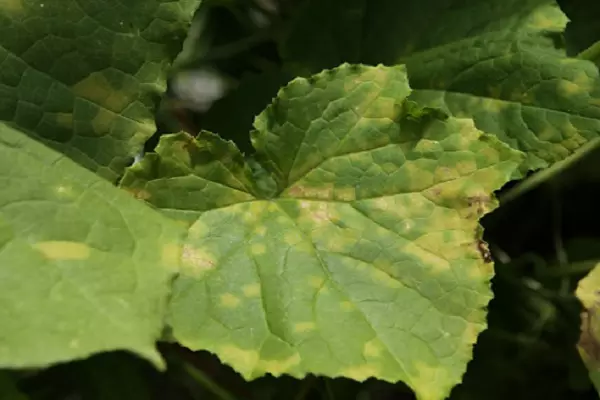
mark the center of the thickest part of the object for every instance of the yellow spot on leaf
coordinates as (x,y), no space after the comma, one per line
(372,348)
(292,238)
(254,212)
(229,300)
(278,367)
(316,281)
(244,360)
(260,230)
(466,167)
(361,373)
(385,279)
(64,191)
(251,290)
(303,327)
(383,203)
(426,374)
(428,258)
(258,249)
(64,250)
(569,88)
(103,120)
(140,194)
(98,89)
(345,194)
(346,306)
(170,256)
(196,262)
(64,120)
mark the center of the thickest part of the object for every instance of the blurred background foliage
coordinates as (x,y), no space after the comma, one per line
(544,238)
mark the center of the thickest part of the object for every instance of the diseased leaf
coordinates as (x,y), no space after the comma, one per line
(368,260)
(84,268)
(496,61)
(85,76)
(589,342)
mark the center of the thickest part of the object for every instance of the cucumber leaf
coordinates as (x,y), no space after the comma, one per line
(367,261)
(496,61)
(84,77)
(84,268)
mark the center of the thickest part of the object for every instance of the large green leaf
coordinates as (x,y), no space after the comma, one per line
(495,61)
(84,267)
(85,76)
(368,261)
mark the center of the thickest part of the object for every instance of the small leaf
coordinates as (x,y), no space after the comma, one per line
(85,77)
(366,263)
(84,268)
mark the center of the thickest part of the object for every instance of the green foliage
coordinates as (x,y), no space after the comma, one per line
(84,77)
(320,228)
(83,264)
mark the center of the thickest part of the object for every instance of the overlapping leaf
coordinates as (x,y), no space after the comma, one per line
(84,268)
(496,61)
(84,76)
(367,263)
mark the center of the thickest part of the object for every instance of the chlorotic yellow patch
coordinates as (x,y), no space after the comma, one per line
(103,120)
(170,256)
(140,194)
(346,194)
(98,89)
(64,120)
(244,360)
(229,300)
(387,280)
(292,238)
(278,367)
(258,249)
(303,327)
(64,191)
(372,348)
(63,250)
(347,306)
(260,230)
(196,262)
(433,261)
(569,88)
(251,290)
(423,378)
(316,281)
(361,373)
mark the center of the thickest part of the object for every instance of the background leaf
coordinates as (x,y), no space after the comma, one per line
(496,61)
(84,268)
(84,77)
(376,217)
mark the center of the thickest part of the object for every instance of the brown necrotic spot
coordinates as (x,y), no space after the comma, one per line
(483,249)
